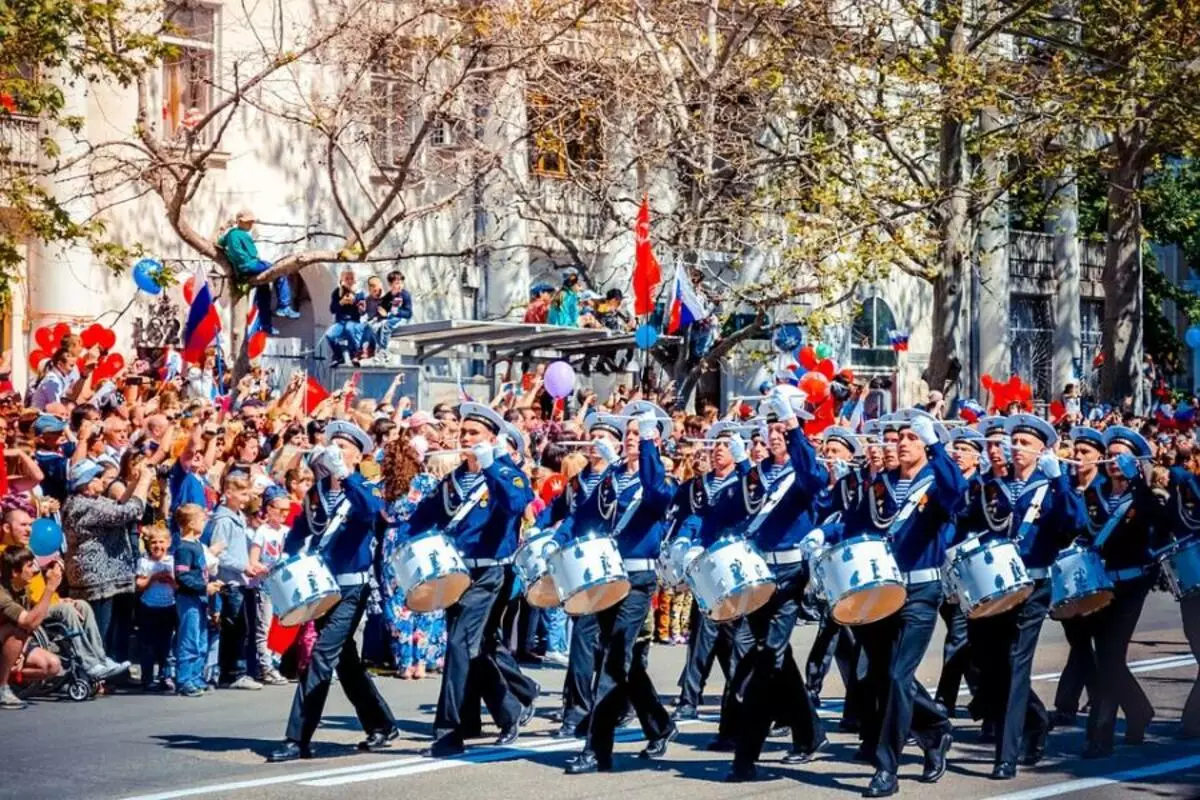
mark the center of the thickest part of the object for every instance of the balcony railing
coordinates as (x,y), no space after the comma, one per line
(573,214)
(18,141)
(1031,255)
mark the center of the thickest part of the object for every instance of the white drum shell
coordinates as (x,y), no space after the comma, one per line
(730,579)
(430,572)
(1079,584)
(1181,563)
(301,589)
(534,568)
(589,574)
(860,580)
(990,579)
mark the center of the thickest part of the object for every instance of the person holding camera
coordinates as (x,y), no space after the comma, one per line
(19,618)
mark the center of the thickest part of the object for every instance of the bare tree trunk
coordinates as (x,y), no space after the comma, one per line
(1120,376)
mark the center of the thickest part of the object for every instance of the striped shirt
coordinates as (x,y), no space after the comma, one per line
(588,481)
(901,490)
(624,478)
(1115,500)
(771,471)
(1015,487)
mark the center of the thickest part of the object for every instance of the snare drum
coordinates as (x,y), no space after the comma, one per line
(1079,585)
(302,589)
(429,571)
(1181,563)
(730,579)
(673,562)
(990,579)
(530,561)
(589,574)
(860,580)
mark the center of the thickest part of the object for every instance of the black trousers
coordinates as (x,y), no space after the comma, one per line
(522,687)
(1115,684)
(707,642)
(1189,609)
(622,678)
(239,614)
(335,651)
(579,683)
(895,646)
(836,642)
(473,653)
(761,682)
(1023,713)
(956,657)
(1080,671)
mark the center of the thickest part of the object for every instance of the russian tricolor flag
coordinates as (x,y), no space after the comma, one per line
(686,306)
(203,323)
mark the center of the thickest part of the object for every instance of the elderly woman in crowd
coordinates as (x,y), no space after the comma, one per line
(101,562)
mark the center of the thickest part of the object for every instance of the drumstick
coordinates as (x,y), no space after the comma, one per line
(1064,459)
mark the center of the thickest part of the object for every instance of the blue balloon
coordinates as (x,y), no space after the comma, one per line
(645,336)
(788,337)
(1192,337)
(145,275)
(46,539)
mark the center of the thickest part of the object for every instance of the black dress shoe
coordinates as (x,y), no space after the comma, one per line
(565,732)
(1135,730)
(803,757)
(1004,771)
(444,749)
(685,712)
(1097,750)
(289,751)
(883,784)
(1063,719)
(585,763)
(657,748)
(379,740)
(780,732)
(935,760)
(526,715)
(742,774)
(1034,750)
(721,745)
(508,736)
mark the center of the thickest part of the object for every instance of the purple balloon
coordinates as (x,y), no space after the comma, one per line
(560,379)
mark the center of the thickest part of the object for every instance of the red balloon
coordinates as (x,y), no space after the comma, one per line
(37,357)
(808,357)
(43,337)
(109,366)
(815,385)
(1014,384)
(87,337)
(987,382)
(189,290)
(827,368)
(1057,410)
(106,339)
(59,332)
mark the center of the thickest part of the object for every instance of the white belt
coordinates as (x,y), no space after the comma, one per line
(1117,575)
(781,557)
(1038,573)
(475,563)
(352,578)
(639,564)
(922,576)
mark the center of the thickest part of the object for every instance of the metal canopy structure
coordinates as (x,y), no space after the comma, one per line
(505,341)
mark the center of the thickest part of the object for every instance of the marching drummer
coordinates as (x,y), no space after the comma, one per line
(967,449)
(1185,499)
(779,528)
(480,505)
(605,432)
(918,517)
(721,501)
(1045,515)
(340,519)
(1124,542)
(1088,481)
(630,504)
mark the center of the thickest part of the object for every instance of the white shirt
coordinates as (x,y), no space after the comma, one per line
(271,541)
(157,594)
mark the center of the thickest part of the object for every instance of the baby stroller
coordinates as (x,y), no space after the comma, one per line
(74,680)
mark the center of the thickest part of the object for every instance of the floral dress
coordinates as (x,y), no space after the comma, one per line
(415,638)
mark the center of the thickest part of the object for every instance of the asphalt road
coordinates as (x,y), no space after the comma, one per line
(160,747)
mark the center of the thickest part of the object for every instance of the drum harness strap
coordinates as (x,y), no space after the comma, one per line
(1031,513)
(1113,521)
(328,534)
(468,503)
(782,484)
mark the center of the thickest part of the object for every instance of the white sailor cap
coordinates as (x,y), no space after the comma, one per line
(598,421)
(635,407)
(341,429)
(485,416)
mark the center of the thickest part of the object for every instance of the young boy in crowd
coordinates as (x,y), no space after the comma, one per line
(193,589)
(375,318)
(266,548)
(346,333)
(156,613)
(227,528)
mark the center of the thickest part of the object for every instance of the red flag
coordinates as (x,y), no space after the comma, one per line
(646,274)
(314,394)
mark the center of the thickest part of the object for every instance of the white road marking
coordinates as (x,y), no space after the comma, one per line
(1125,776)
(379,770)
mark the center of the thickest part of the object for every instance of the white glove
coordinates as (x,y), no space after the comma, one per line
(605,450)
(923,428)
(1049,465)
(337,464)
(647,426)
(813,542)
(737,448)
(782,407)
(484,453)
